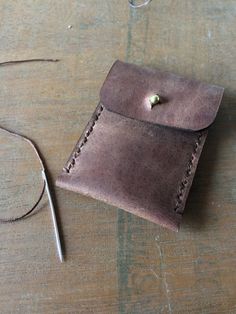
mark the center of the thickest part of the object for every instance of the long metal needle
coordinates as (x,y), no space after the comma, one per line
(54,219)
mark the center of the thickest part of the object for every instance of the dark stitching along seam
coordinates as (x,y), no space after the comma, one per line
(184,183)
(85,139)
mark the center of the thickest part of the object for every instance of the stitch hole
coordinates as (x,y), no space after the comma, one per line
(190,164)
(75,154)
(188,172)
(178,198)
(66,169)
(178,212)
(176,208)
(199,141)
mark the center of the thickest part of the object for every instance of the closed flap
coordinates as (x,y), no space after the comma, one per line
(184,103)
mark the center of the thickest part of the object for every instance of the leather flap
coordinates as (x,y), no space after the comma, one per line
(184,103)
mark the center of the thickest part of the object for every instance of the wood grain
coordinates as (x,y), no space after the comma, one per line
(115,262)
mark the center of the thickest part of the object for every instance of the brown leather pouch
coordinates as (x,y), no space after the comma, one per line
(138,157)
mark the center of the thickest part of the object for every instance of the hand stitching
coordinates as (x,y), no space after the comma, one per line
(184,182)
(77,151)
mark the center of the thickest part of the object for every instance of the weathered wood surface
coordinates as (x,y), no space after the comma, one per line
(115,262)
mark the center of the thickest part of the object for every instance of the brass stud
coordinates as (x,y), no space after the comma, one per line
(154,100)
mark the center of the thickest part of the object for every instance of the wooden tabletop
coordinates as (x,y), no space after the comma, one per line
(115,262)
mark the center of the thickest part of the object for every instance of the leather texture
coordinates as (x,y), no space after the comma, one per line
(140,159)
(185,104)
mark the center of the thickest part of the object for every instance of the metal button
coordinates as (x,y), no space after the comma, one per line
(154,100)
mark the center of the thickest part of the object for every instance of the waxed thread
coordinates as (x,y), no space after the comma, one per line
(77,150)
(184,182)
(30,142)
